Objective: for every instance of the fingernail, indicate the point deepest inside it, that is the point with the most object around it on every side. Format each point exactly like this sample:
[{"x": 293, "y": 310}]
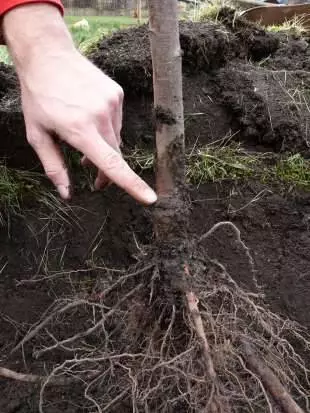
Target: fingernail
[
  {"x": 150, "y": 196},
  {"x": 64, "y": 191}
]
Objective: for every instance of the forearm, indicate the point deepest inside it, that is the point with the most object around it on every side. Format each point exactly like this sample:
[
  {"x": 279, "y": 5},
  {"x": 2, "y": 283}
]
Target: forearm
[{"x": 32, "y": 29}]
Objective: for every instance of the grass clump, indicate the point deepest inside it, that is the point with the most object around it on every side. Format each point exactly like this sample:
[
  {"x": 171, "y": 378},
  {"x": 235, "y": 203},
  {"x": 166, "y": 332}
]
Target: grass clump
[
  {"x": 98, "y": 26},
  {"x": 208, "y": 12},
  {"x": 16, "y": 187},
  {"x": 19, "y": 188},
  {"x": 233, "y": 163},
  {"x": 89, "y": 45},
  {"x": 5, "y": 56},
  {"x": 216, "y": 164},
  {"x": 141, "y": 160},
  {"x": 293, "y": 171},
  {"x": 295, "y": 26},
  {"x": 209, "y": 164}
]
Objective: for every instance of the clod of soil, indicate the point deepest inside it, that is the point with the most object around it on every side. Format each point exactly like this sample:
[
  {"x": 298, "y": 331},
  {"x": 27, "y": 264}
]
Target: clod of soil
[
  {"x": 126, "y": 55},
  {"x": 270, "y": 108}
]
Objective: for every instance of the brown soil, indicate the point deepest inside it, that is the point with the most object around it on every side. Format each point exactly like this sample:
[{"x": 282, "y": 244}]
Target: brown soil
[
  {"x": 234, "y": 72},
  {"x": 238, "y": 81}
]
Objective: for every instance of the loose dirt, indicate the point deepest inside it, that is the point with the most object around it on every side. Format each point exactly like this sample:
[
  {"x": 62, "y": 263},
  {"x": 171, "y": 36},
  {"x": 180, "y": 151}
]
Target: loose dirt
[{"x": 240, "y": 83}]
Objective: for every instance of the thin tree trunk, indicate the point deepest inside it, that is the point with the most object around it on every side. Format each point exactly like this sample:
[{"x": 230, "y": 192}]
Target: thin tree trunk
[
  {"x": 139, "y": 10},
  {"x": 137, "y": 14},
  {"x": 168, "y": 106},
  {"x": 171, "y": 213}
]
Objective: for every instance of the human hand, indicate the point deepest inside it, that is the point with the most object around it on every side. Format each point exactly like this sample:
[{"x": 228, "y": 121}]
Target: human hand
[{"x": 63, "y": 94}]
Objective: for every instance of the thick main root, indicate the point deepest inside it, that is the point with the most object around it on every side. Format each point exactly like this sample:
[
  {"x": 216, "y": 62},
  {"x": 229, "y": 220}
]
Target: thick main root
[{"x": 142, "y": 351}]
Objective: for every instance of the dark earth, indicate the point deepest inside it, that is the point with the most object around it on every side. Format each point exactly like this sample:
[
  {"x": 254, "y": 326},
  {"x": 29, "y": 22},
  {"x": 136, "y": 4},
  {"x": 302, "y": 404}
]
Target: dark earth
[{"x": 240, "y": 83}]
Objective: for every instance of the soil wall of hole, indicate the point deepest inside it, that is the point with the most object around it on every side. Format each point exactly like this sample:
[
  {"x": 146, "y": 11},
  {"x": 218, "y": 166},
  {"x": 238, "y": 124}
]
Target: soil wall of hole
[{"x": 239, "y": 81}]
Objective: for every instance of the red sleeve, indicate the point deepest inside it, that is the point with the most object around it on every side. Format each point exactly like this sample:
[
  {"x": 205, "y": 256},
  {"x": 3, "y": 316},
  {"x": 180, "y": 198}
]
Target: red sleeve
[{"x": 6, "y": 5}]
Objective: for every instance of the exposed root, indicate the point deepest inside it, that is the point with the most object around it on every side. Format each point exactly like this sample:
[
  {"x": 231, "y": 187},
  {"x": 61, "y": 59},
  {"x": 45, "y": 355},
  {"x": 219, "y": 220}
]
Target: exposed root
[
  {"x": 270, "y": 381},
  {"x": 143, "y": 349},
  {"x": 62, "y": 306},
  {"x": 238, "y": 238},
  {"x": 192, "y": 302},
  {"x": 33, "y": 378}
]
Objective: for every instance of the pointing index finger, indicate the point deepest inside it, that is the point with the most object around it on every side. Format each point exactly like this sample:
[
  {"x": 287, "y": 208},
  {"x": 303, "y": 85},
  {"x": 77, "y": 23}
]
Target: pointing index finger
[{"x": 101, "y": 154}]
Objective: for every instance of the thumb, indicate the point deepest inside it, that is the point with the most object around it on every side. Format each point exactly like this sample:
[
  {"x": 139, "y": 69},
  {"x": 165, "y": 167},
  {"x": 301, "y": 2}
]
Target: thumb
[{"x": 51, "y": 158}]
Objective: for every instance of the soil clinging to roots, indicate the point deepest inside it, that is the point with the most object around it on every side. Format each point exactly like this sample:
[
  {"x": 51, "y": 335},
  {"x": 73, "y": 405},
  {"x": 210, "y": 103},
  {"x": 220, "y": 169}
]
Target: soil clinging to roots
[{"x": 141, "y": 351}]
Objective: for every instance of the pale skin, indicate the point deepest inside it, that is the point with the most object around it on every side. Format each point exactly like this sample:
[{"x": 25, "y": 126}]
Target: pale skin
[{"x": 65, "y": 95}]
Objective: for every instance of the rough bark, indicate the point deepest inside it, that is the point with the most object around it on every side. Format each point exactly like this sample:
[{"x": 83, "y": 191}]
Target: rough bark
[{"x": 169, "y": 120}]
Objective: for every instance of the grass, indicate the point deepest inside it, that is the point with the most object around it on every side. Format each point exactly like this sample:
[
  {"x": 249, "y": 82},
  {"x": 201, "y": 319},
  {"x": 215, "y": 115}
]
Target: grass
[
  {"x": 15, "y": 188},
  {"x": 208, "y": 12},
  {"x": 217, "y": 164},
  {"x": 294, "y": 26},
  {"x": 211, "y": 164},
  {"x": 4, "y": 55},
  {"x": 99, "y": 26},
  {"x": 293, "y": 171},
  {"x": 19, "y": 188}
]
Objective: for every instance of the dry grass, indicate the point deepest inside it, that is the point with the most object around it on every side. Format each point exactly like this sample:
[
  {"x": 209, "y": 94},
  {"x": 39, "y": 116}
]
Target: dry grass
[
  {"x": 15, "y": 188},
  {"x": 213, "y": 163},
  {"x": 209, "y": 10},
  {"x": 295, "y": 26},
  {"x": 231, "y": 162}
]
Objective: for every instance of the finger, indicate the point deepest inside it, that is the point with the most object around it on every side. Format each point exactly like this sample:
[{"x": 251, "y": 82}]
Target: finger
[
  {"x": 107, "y": 133},
  {"x": 117, "y": 115},
  {"x": 117, "y": 122},
  {"x": 86, "y": 162},
  {"x": 102, "y": 181},
  {"x": 110, "y": 137},
  {"x": 52, "y": 160},
  {"x": 112, "y": 164}
]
